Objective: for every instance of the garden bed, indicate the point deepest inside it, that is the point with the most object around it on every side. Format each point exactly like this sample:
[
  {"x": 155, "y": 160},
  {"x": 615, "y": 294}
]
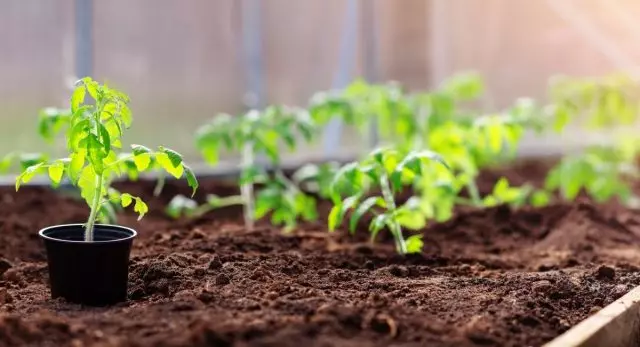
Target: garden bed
[{"x": 488, "y": 277}]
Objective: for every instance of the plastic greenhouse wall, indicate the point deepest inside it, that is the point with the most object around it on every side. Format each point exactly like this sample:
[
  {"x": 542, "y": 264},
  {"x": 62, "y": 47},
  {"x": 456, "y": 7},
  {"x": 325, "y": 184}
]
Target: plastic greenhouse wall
[{"x": 184, "y": 61}]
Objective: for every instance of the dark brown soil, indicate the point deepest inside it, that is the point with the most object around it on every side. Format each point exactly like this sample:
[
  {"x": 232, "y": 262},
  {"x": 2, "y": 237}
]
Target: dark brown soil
[{"x": 494, "y": 277}]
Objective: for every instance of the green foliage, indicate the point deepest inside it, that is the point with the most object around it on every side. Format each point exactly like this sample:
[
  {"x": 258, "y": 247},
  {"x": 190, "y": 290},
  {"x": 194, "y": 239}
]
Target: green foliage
[
  {"x": 402, "y": 118},
  {"x": 604, "y": 102},
  {"x": 93, "y": 137},
  {"x": 389, "y": 171},
  {"x": 600, "y": 172},
  {"x": 263, "y": 133}
]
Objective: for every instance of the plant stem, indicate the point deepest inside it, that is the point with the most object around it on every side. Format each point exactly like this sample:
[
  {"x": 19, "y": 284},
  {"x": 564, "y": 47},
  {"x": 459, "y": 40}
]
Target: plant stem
[
  {"x": 474, "y": 194},
  {"x": 223, "y": 202},
  {"x": 88, "y": 231},
  {"x": 160, "y": 184},
  {"x": 246, "y": 189},
  {"x": 396, "y": 230}
]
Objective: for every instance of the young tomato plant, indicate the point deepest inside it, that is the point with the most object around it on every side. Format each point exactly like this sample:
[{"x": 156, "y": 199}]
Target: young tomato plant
[
  {"x": 403, "y": 119},
  {"x": 53, "y": 121},
  {"x": 389, "y": 171},
  {"x": 253, "y": 134},
  {"x": 602, "y": 171},
  {"x": 93, "y": 137}
]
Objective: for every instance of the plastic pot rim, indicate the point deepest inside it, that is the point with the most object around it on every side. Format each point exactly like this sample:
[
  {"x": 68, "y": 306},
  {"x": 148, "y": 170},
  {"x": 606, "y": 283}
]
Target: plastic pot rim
[{"x": 43, "y": 231}]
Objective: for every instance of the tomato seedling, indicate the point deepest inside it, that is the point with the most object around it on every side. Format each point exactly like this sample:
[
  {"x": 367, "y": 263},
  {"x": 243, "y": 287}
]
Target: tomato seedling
[
  {"x": 252, "y": 134},
  {"x": 93, "y": 137},
  {"x": 389, "y": 171}
]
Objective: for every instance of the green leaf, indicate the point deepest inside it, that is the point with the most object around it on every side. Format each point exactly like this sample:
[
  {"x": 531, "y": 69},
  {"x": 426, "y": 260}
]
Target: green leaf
[
  {"x": 141, "y": 208},
  {"x": 192, "y": 181},
  {"x": 139, "y": 149},
  {"x": 55, "y": 172},
  {"x": 540, "y": 198},
  {"x": 338, "y": 211},
  {"x": 165, "y": 162},
  {"x": 267, "y": 200},
  {"x": 96, "y": 155},
  {"x": 365, "y": 206},
  {"x": 78, "y": 132},
  {"x": 174, "y": 157},
  {"x": 410, "y": 218},
  {"x": 77, "y": 97},
  {"x": 87, "y": 182},
  {"x": 28, "y": 174},
  {"x": 141, "y": 157},
  {"x": 126, "y": 199},
  {"x": 414, "y": 243},
  {"x": 104, "y": 137},
  {"x": 377, "y": 224},
  {"x": 5, "y": 163},
  {"x": 75, "y": 165}
]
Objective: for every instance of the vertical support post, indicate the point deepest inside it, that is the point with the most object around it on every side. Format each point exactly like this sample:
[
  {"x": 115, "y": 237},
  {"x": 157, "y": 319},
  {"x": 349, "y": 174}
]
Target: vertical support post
[
  {"x": 84, "y": 38},
  {"x": 348, "y": 46},
  {"x": 252, "y": 47},
  {"x": 371, "y": 39}
]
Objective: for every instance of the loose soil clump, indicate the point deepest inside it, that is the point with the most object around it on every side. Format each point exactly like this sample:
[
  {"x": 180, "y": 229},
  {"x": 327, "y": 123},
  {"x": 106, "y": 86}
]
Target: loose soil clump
[{"x": 493, "y": 277}]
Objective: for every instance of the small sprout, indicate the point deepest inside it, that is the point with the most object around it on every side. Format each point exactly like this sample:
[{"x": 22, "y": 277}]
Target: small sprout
[
  {"x": 93, "y": 136},
  {"x": 389, "y": 171},
  {"x": 503, "y": 193}
]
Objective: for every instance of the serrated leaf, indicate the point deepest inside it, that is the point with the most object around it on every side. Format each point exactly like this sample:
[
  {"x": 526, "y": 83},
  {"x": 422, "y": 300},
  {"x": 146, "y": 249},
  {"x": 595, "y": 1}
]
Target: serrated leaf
[
  {"x": 126, "y": 199},
  {"x": 78, "y": 132},
  {"x": 55, "y": 172},
  {"x": 192, "y": 181},
  {"x": 28, "y": 174},
  {"x": 174, "y": 157},
  {"x": 141, "y": 208},
  {"x": 77, "y": 97},
  {"x": 165, "y": 162},
  {"x": 142, "y": 161}
]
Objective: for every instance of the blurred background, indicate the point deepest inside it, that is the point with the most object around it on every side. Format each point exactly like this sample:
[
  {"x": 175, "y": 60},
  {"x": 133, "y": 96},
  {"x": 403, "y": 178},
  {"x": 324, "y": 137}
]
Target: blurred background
[{"x": 184, "y": 61}]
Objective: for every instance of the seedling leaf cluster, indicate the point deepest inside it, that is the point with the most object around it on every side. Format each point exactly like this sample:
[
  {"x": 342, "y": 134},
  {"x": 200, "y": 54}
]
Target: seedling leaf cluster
[{"x": 97, "y": 119}]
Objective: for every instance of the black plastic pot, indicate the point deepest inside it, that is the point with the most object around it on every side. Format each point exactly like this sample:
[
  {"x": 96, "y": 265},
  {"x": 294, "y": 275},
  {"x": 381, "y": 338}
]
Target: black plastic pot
[{"x": 90, "y": 273}]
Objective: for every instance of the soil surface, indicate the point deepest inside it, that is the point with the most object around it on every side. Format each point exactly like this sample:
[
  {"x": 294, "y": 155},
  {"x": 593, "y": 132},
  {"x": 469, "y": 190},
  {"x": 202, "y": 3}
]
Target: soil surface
[{"x": 494, "y": 277}]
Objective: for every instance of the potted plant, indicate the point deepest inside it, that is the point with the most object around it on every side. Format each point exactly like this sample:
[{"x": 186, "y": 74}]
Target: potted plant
[{"x": 88, "y": 263}]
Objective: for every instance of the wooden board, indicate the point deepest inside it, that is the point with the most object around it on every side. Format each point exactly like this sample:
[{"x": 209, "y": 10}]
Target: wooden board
[{"x": 617, "y": 325}]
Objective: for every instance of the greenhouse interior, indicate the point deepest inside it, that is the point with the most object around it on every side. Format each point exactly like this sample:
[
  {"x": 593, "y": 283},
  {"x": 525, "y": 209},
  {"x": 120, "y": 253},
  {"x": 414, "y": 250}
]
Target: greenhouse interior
[{"x": 320, "y": 173}]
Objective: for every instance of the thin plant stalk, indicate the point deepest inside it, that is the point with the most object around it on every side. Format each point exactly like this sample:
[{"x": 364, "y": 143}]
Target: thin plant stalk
[
  {"x": 246, "y": 189},
  {"x": 396, "y": 230},
  {"x": 159, "y": 184},
  {"x": 95, "y": 206},
  {"x": 474, "y": 194}
]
